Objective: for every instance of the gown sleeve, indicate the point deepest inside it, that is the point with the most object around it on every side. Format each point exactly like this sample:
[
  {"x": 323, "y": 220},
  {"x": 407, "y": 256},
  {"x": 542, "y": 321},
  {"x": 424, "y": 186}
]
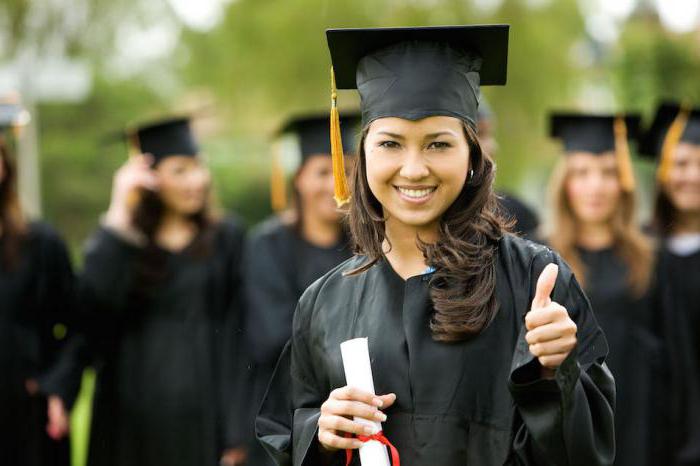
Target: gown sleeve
[
  {"x": 56, "y": 300},
  {"x": 270, "y": 296},
  {"x": 286, "y": 424},
  {"x": 567, "y": 420}
]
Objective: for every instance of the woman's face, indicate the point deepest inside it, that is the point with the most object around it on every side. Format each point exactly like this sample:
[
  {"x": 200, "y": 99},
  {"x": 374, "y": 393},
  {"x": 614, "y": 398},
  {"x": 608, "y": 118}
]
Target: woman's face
[
  {"x": 183, "y": 184},
  {"x": 416, "y": 169},
  {"x": 683, "y": 186},
  {"x": 314, "y": 184},
  {"x": 593, "y": 186}
]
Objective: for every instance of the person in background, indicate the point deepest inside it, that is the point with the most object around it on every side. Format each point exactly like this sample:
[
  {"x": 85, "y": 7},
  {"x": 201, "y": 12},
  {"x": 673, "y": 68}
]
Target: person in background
[
  {"x": 525, "y": 220},
  {"x": 160, "y": 291},
  {"x": 673, "y": 139},
  {"x": 594, "y": 228},
  {"x": 288, "y": 252},
  {"x": 38, "y": 380}
]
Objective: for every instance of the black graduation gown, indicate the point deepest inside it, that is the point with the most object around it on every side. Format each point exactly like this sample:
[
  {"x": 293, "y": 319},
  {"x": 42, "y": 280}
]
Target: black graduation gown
[
  {"x": 160, "y": 360},
  {"x": 477, "y": 402},
  {"x": 678, "y": 303},
  {"x": 279, "y": 266},
  {"x": 634, "y": 358},
  {"x": 35, "y": 296},
  {"x": 526, "y": 220}
]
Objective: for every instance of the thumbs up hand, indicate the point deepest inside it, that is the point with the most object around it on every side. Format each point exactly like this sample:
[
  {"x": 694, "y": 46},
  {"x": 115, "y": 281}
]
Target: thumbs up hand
[{"x": 551, "y": 332}]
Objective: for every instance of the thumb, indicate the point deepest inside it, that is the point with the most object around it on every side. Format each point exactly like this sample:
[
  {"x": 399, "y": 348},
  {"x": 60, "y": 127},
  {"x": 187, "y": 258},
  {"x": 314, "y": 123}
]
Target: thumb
[{"x": 545, "y": 285}]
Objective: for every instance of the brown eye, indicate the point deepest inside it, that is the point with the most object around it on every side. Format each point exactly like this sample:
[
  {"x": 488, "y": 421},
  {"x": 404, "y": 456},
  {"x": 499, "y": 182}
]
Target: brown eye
[
  {"x": 439, "y": 145},
  {"x": 389, "y": 145}
]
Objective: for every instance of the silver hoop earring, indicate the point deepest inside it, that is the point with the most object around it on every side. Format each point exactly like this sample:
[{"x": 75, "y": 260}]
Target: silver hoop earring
[{"x": 471, "y": 174}]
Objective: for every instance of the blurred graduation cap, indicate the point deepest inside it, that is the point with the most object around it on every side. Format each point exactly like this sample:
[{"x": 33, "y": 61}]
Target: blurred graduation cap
[
  {"x": 673, "y": 123},
  {"x": 413, "y": 73},
  {"x": 300, "y": 138},
  {"x": 599, "y": 134},
  {"x": 163, "y": 138}
]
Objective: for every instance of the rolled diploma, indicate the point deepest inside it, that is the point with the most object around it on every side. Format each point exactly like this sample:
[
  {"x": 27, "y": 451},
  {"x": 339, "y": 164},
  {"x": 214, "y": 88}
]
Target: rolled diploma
[{"x": 358, "y": 374}]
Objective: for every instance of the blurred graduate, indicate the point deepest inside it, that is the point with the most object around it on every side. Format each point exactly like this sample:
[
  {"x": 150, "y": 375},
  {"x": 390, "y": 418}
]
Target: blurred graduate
[
  {"x": 161, "y": 290},
  {"x": 673, "y": 139},
  {"x": 288, "y": 252},
  {"x": 483, "y": 347},
  {"x": 524, "y": 220},
  {"x": 594, "y": 228},
  {"x": 38, "y": 380}
]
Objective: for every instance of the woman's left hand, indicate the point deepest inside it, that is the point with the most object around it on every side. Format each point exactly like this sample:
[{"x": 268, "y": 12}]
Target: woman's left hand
[
  {"x": 551, "y": 332},
  {"x": 57, "y": 426}
]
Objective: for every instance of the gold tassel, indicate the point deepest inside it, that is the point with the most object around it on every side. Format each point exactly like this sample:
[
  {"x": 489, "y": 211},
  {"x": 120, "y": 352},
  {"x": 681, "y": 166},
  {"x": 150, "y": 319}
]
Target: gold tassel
[
  {"x": 622, "y": 152},
  {"x": 673, "y": 137},
  {"x": 278, "y": 185},
  {"x": 340, "y": 181}
]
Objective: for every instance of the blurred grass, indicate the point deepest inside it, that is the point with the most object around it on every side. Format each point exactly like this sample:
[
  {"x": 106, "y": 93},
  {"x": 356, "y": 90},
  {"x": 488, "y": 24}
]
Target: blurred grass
[{"x": 80, "y": 420}]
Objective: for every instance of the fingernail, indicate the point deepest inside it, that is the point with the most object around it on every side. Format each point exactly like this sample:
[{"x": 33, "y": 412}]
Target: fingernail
[
  {"x": 357, "y": 444},
  {"x": 378, "y": 402},
  {"x": 368, "y": 430},
  {"x": 381, "y": 416}
]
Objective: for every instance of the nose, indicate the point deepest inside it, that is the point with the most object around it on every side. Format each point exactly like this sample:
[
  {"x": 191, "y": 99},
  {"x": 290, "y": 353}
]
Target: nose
[{"x": 414, "y": 167}]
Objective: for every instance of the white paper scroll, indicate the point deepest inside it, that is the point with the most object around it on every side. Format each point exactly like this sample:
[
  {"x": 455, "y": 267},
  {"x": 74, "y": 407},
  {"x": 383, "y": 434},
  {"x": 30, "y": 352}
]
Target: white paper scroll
[{"x": 358, "y": 374}]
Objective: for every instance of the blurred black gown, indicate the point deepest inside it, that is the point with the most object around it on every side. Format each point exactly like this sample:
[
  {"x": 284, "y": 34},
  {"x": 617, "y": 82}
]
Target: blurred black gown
[
  {"x": 477, "y": 402},
  {"x": 161, "y": 353},
  {"x": 635, "y": 356},
  {"x": 525, "y": 219},
  {"x": 35, "y": 295},
  {"x": 280, "y": 265},
  {"x": 679, "y": 303}
]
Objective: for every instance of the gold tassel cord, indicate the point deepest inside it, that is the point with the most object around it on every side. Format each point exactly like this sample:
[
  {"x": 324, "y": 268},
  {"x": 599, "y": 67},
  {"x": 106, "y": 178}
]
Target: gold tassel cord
[
  {"x": 278, "y": 185},
  {"x": 622, "y": 152},
  {"x": 340, "y": 181},
  {"x": 673, "y": 137}
]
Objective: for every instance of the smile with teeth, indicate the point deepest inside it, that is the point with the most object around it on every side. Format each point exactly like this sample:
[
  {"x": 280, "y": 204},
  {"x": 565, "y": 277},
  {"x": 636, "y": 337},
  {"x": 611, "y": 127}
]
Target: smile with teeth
[{"x": 416, "y": 193}]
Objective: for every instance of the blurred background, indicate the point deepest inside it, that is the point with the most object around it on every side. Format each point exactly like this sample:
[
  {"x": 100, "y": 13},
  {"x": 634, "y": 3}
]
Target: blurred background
[{"x": 87, "y": 68}]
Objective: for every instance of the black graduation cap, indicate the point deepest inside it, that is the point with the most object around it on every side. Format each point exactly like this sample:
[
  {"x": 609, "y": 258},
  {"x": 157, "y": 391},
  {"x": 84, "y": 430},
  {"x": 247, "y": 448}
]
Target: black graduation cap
[
  {"x": 590, "y": 133},
  {"x": 652, "y": 141},
  {"x": 164, "y": 138},
  {"x": 417, "y": 72},
  {"x": 313, "y": 132}
]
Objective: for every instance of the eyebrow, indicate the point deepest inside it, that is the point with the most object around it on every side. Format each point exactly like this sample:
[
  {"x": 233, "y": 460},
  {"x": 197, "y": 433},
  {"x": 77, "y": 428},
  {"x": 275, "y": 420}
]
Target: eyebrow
[
  {"x": 391, "y": 135},
  {"x": 438, "y": 134}
]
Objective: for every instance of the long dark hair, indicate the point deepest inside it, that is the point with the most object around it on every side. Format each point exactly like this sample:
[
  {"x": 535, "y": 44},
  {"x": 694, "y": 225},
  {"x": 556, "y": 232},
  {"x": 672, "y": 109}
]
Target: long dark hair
[
  {"x": 151, "y": 265},
  {"x": 13, "y": 226},
  {"x": 463, "y": 286}
]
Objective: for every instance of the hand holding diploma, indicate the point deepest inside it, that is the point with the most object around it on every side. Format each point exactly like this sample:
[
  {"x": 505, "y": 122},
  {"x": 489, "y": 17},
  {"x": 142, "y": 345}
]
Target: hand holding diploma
[
  {"x": 551, "y": 332},
  {"x": 351, "y": 410}
]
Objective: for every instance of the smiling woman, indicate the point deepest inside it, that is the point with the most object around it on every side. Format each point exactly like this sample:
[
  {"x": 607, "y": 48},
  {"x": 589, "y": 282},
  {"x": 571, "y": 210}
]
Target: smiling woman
[{"x": 464, "y": 374}]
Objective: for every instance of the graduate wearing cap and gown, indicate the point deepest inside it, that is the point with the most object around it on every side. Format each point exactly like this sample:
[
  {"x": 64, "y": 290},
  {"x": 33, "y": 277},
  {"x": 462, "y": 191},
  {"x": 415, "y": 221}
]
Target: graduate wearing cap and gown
[
  {"x": 160, "y": 291},
  {"x": 525, "y": 220},
  {"x": 674, "y": 139},
  {"x": 594, "y": 229},
  {"x": 453, "y": 364},
  {"x": 288, "y": 252},
  {"x": 38, "y": 380}
]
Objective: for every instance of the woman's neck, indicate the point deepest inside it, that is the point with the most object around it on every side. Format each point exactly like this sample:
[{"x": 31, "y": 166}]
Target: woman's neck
[
  {"x": 686, "y": 223},
  {"x": 318, "y": 232},
  {"x": 594, "y": 236},
  {"x": 175, "y": 231},
  {"x": 401, "y": 247}
]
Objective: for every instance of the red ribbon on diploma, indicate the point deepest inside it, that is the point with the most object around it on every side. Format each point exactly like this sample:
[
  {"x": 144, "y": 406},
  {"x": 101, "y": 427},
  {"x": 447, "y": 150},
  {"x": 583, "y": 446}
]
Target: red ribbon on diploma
[{"x": 379, "y": 437}]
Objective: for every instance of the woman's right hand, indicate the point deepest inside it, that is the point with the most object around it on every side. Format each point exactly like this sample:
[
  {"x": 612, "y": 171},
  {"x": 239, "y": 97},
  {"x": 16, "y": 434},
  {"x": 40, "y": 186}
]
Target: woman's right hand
[
  {"x": 337, "y": 412},
  {"x": 133, "y": 175}
]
